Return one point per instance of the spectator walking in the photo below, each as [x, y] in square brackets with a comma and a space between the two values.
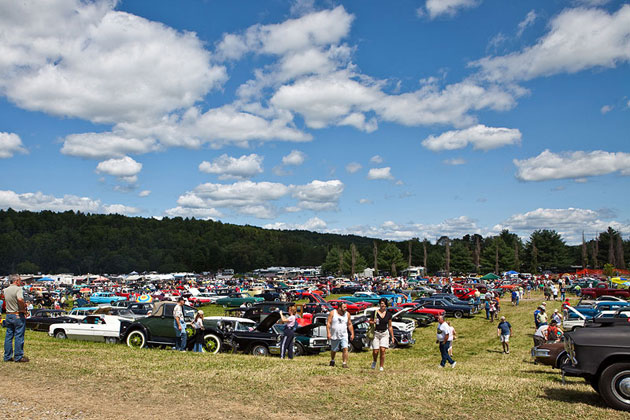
[179, 324]
[288, 335]
[337, 327]
[504, 331]
[487, 307]
[493, 310]
[199, 331]
[383, 333]
[443, 333]
[515, 297]
[15, 322]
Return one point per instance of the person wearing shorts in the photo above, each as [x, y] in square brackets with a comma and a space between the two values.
[383, 333]
[504, 330]
[337, 328]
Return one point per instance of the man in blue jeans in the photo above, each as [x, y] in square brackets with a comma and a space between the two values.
[15, 321]
[180, 325]
[443, 333]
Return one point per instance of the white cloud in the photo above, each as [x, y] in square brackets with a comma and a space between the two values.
[125, 168]
[569, 222]
[38, 201]
[435, 8]
[295, 158]
[319, 195]
[525, 23]
[353, 167]
[548, 165]
[365, 201]
[228, 167]
[606, 109]
[105, 145]
[10, 144]
[205, 214]
[578, 39]
[87, 60]
[380, 173]
[480, 136]
[454, 161]
[376, 159]
[144, 193]
[312, 224]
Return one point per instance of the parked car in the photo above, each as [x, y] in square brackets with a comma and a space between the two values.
[603, 289]
[352, 307]
[106, 328]
[80, 313]
[418, 308]
[157, 330]
[238, 299]
[346, 289]
[402, 324]
[105, 297]
[551, 354]
[368, 297]
[204, 298]
[600, 354]
[451, 309]
[42, 319]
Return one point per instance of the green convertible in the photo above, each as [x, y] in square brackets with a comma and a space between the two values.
[238, 299]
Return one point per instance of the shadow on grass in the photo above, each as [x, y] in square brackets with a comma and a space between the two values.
[494, 351]
[574, 396]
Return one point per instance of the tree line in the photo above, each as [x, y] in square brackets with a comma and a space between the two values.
[79, 243]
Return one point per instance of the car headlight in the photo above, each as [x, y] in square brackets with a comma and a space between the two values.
[541, 353]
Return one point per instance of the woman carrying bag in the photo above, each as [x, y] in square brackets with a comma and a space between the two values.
[383, 333]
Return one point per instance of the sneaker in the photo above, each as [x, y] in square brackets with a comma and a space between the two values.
[9, 360]
[507, 352]
[381, 369]
[24, 359]
[441, 367]
[373, 365]
[453, 365]
[332, 363]
[345, 366]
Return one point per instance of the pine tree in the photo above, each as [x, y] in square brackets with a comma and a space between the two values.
[584, 253]
[621, 263]
[424, 250]
[448, 257]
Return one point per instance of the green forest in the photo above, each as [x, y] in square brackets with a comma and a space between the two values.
[79, 243]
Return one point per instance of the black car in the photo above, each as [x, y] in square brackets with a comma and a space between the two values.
[270, 296]
[346, 289]
[458, 311]
[259, 311]
[41, 319]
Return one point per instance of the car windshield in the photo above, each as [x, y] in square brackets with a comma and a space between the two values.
[245, 326]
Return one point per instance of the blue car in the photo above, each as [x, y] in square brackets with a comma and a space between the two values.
[592, 311]
[105, 297]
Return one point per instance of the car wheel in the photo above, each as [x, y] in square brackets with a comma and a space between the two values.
[276, 300]
[136, 339]
[60, 334]
[458, 314]
[614, 386]
[111, 340]
[248, 304]
[299, 350]
[562, 360]
[211, 344]
[259, 350]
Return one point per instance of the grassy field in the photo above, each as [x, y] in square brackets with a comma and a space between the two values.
[71, 379]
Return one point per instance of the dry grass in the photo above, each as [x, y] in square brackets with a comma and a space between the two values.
[71, 379]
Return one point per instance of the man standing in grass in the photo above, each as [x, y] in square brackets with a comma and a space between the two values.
[504, 331]
[337, 327]
[179, 325]
[15, 321]
[443, 334]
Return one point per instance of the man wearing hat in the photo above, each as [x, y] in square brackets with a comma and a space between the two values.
[504, 330]
[542, 316]
[556, 317]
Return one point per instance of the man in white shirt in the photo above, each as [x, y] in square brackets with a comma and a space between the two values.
[180, 325]
[443, 334]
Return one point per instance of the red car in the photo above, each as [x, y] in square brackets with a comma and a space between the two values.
[353, 307]
[420, 310]
[464, 293]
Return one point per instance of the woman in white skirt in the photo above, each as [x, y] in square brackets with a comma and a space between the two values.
[383, 333]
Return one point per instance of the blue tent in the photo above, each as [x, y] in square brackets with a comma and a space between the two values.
[46, 279]
[511, 272]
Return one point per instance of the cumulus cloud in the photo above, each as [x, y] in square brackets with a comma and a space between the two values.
[454, 161]
[105, 145]
[380, 173]
[365, 201]
[578, 39]
[569, 222]
[319, 195]
[144, 193]
[126, 169]
[525, 23]
[606, 109]
[480, 136]
[38, 201]
[10, 144]
[436, 8]
[376, 159]
[228, 167]
[295, 158]
[567, 165]
[313, 224]
[353, 167]
[197, 213]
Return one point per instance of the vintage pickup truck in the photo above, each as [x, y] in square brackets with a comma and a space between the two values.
[603, 289]
[600, 353]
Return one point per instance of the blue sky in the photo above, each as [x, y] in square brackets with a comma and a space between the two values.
[388, 119]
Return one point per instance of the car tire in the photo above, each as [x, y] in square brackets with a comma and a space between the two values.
[614, 386]
[211, 344]
[136, 339]
[259, 350]
[111, 340]
[299, 350]
[276, 300]
[562, 360]
[248, 305]
[60, 335]
[458, 314]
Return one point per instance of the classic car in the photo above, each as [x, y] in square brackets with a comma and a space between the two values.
[600, 354]
[453, 299]
[157, 329]
[140, 308]
[317, 308]
[418, 308]
[238, 299]
[119, 312]
[306, 342]
[368, 297]
[550, 354]
[420, 290]
[204, 298]
[465, 293]
[107, 328]
[400, 323]
[353, 307]
[592, 310]
[421, 319]
[261, 310]
[80, 313]
[346, 288]
[458, 311]
[105, 297]
[603, 289]
[42, 319]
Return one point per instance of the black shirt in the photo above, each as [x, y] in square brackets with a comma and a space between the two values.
[382, 323]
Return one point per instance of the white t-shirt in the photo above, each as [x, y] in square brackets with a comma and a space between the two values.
[442, 331]
[541, 331]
